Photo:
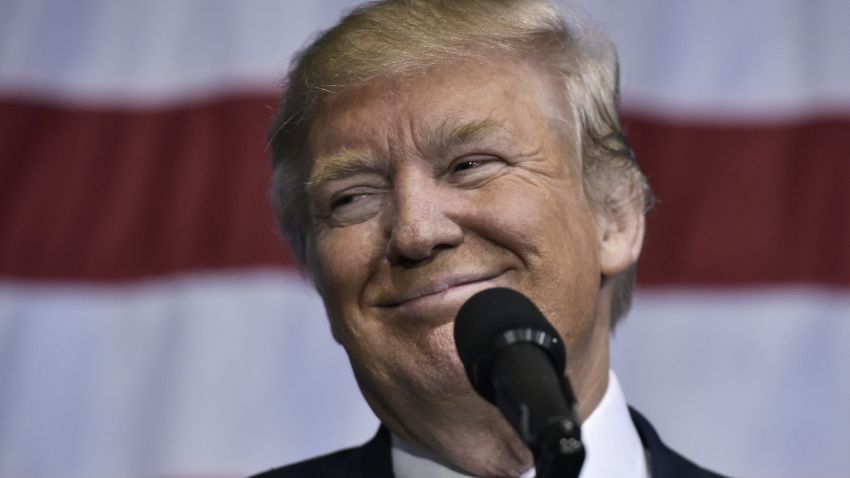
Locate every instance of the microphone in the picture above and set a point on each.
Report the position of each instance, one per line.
(515, 359)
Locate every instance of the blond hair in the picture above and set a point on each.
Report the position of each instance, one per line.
(395, 38)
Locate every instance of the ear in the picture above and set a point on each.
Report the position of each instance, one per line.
(620, 224)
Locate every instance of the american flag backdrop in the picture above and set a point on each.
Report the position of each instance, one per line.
(152, 324)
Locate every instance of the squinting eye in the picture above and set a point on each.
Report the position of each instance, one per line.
(475, 166)
(354, 206)
(467, 164)
(347, 199)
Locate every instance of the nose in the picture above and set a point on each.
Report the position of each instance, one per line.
(422, 222)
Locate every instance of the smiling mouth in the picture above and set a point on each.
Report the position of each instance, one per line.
(442, 289)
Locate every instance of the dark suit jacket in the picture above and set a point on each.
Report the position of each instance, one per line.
(372, 460)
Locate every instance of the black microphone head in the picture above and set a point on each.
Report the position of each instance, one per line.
(495, 318)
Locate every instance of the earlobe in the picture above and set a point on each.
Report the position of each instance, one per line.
(620, 238)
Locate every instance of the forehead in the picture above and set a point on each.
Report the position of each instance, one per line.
(459, 100)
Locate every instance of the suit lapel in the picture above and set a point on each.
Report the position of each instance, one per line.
(664, 462)
(374, 458)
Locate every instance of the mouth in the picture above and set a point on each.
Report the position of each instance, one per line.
(445, 291)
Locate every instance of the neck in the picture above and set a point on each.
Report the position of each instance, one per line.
(465, 433)
(587, 369)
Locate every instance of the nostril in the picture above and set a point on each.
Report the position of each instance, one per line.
(410, 262)
(422, 240)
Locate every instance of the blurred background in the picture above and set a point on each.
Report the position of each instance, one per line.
(153, 325)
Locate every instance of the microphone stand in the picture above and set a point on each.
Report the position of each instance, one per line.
(560, 452)
(549, 428)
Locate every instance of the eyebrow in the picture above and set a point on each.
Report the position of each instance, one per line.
(449, 135)
(349, 162)
(341, 164)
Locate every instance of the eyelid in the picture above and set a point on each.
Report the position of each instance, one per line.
(483, 158)
(348, 192)
(367, 203)
(326, 191)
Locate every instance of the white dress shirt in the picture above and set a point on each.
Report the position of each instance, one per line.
(610, 439)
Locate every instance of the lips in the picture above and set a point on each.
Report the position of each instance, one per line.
(435, 288)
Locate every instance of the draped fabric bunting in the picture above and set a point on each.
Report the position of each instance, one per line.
(152, 323)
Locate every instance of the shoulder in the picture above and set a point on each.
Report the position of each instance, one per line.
(371, 460)
(663, 461)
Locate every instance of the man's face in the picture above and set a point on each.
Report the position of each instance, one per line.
(427, 190)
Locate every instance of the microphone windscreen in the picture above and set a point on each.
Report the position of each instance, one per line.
(487, 316)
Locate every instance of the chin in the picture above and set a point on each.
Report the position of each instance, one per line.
(435, 372)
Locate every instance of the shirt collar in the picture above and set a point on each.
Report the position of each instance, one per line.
(611, 441)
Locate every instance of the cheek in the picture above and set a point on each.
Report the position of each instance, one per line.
(553, 236)
(570, 247)
(343, 260)
(538, 222)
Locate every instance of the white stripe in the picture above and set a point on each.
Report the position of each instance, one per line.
(753, 59)
(196, 376)
(223, 375)
(752, 382)
(763, 59)
(131, 52)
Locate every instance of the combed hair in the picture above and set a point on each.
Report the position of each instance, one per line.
(390, 39)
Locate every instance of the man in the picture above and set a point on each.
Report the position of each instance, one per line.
(429, 149)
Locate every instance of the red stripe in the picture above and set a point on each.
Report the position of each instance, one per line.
(122, 194)
(746, 204)
(119, 194)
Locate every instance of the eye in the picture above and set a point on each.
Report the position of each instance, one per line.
(346, 199)
(475, 166)
(465, 164)
(354, 205)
